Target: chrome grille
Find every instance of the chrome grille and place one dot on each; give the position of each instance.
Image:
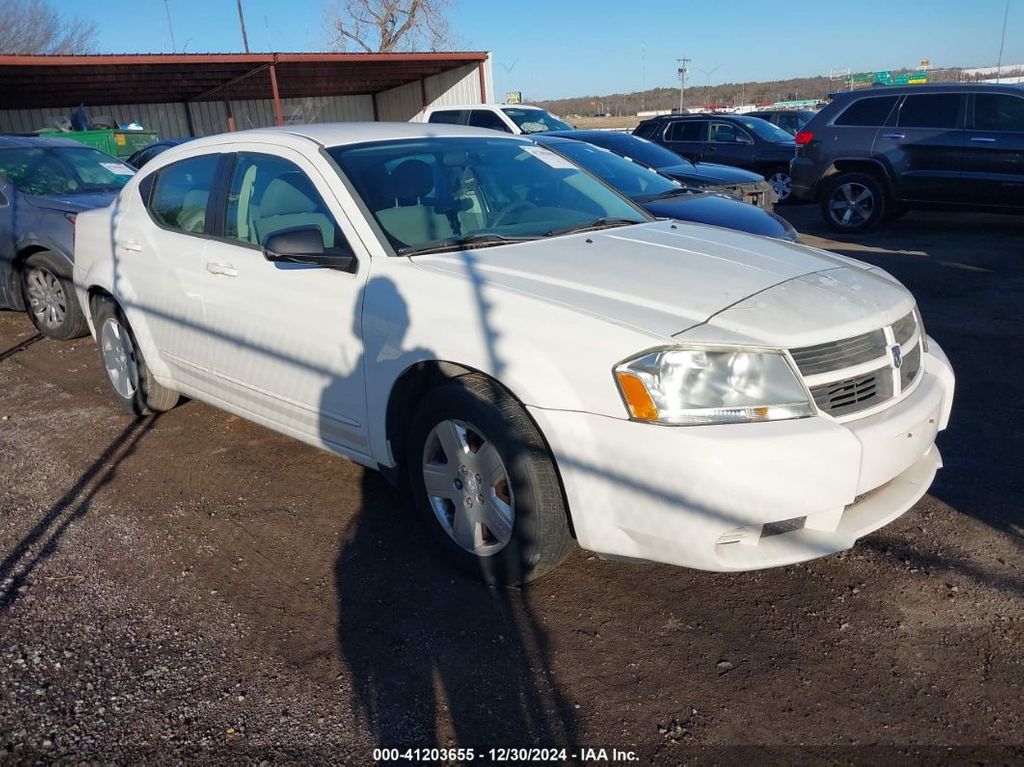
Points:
(835, 355)
(853, 394)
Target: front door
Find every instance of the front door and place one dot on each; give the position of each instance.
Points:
(730, 144)
(994, 151)
(286, 338)
(925, 147)
(7, 247)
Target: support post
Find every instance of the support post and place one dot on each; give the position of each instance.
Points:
(278, 114)
(231, 116)
(483, 82)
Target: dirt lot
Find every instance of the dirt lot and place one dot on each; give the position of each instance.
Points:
(195, 587)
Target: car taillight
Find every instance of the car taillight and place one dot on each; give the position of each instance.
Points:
(804, 137)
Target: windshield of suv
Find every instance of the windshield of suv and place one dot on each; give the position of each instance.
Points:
(535, 120)
(444, 193)
(635, 181)
(639, 149)
(765, 130)
(62, 170)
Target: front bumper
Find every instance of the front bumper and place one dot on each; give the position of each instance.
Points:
(758, 193)
(747, 496)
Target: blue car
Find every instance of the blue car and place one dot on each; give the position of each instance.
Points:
(44, 184)
(664, 197)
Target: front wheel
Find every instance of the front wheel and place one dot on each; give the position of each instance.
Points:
(483, 481)
(780, 181)
(854, 202)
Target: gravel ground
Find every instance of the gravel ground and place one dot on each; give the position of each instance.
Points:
(194, 587)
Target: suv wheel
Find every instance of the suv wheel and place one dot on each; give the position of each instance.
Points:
(854, 202)
(484, 483)
(780, 181)
(50, 298)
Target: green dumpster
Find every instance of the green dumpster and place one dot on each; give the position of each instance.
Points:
(116, 143)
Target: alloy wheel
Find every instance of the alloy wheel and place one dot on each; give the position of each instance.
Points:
(782, 184)
(468, 487)
(851, 205)
(119, 358)
(46, 297)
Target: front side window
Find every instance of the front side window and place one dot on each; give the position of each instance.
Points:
(690, 130)
(449, 117)
(180, 193)
(868, 112)
(998, 112)
(930, 110)
(443, 192)
(535, 120)
(485, 118)
(269, 194)
(62, 170)
(725, 133)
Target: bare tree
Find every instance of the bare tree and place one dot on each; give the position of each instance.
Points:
(390, 25)
(34, 26)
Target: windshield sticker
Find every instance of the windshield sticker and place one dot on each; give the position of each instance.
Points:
(548, 157)
(118, 169)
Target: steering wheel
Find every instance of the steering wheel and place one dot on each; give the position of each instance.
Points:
(511, 208)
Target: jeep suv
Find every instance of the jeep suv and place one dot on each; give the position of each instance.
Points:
(870, 156)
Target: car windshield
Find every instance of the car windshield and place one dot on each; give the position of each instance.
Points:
(450, 192)
(765, 130)
(62, 170)
(535, 120)
(633, 180)
(639, 149)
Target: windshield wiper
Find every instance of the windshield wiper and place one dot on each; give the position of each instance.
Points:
(597, 223)
(671, 193)
(479, 240)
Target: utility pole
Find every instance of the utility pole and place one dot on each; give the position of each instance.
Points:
(170, 27)
(241, 23)
(683, 62)
(1002, 42)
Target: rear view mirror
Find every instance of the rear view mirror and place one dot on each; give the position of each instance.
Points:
(305, 245)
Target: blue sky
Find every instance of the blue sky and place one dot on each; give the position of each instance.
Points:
(557, 48)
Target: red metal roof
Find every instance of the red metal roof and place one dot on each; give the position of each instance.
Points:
(50, 81)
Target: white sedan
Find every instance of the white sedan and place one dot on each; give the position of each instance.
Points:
(536, 357)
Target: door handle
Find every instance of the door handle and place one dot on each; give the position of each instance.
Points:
(893, 135)
(224, 270)
(983, 140)
(131, 245)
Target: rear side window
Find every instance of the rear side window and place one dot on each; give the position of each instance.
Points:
(692, 130)
(485, 118)
(180, 193)
(931, 110)
(868, 112)
(998, 112)
(449, 117)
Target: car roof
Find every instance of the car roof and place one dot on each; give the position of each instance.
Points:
(899, 90)
(439, 107)
(343, 134)
(11, 142)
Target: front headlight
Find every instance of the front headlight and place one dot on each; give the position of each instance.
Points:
(704, 385)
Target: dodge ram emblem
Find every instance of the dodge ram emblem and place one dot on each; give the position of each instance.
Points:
(897, 357)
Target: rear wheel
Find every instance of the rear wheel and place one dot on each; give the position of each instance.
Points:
(854, 203)
(50, 298)
(483, 481)
(130, 379)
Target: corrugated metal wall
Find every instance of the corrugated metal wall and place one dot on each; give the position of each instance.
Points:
(460, 86)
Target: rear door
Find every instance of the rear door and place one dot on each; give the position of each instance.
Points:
(924, 146)
(730, 144)
(994, 150)
(686, 138)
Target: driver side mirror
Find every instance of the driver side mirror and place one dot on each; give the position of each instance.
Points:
(305, 245)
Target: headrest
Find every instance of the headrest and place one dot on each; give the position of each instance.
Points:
(412, 178)
(290, 193)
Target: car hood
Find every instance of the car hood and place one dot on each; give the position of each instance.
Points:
(717, 210)
(710, 172)
(659, 277)
(72, 203)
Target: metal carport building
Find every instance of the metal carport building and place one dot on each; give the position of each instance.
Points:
(201, 93)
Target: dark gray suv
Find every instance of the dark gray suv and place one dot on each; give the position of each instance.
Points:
(872, 155)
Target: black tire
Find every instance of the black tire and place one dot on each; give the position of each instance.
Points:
(50, 299)
(147, 395)
(869, 212)
(540, 537)
(781, 182)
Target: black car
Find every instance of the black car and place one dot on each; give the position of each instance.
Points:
(665, 198)
(44, 184)
(874, 154)
(150, 151)
(790, 120)
(745, 142)
(735, 182)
